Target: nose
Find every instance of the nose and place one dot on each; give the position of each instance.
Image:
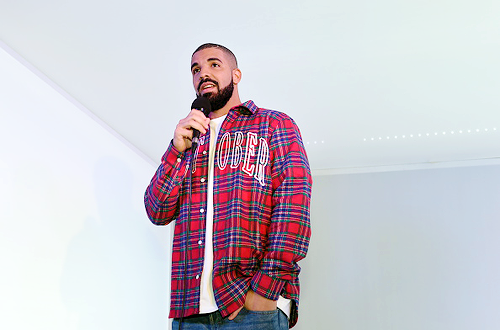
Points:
(203, 75)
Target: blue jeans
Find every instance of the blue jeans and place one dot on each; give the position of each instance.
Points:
(245, 320)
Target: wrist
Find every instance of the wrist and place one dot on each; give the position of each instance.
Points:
(256, 302)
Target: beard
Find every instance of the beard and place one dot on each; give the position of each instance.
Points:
(220, 99)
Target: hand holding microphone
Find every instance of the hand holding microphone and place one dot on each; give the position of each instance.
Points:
(188, 129)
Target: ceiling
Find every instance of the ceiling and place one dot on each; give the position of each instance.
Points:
(370, 84)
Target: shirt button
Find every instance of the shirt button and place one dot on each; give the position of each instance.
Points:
(204, 152)
(202, 180)
(179, 160)
(197, 276)
(202, 210)
(199, 242)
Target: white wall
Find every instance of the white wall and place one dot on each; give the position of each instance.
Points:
(405, 250)
(76, 248)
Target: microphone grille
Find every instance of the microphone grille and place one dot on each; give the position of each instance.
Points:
(201, 102)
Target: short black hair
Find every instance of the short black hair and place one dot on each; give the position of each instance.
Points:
(224, 49)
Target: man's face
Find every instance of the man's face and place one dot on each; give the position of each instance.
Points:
(212, 76)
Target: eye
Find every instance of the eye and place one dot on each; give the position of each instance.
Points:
(195, 70)
(215, 65)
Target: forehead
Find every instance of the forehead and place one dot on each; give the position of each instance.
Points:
(208, 54)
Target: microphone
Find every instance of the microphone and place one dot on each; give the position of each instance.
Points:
(203, 104)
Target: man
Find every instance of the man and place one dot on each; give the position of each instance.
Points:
(245, 225)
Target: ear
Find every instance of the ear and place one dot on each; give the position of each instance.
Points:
(236, 76)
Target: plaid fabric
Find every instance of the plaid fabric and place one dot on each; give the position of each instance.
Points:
(262, 190)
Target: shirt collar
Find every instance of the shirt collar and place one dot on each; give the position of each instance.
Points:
(248, 108)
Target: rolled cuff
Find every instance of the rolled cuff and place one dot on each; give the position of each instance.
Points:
(267, 286)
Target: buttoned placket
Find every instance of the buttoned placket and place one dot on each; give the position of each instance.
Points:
(201, 210)
(203, 181)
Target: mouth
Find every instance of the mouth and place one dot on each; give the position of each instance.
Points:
(207, 86)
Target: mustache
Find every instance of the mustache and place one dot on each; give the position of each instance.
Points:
(207, 80)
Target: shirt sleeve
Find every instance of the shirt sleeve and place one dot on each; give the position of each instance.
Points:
(161, 198)
(290, 228)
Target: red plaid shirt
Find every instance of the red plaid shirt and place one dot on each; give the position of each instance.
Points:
(262, 190)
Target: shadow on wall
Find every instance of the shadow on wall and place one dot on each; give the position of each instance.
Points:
(115, 274)
(404, 250)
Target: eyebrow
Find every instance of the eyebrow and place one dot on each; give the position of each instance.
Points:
(210, 59)
(214, 59)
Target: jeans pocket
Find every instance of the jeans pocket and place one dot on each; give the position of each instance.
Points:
(262, 320)
(272, 312)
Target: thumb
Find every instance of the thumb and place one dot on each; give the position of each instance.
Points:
(234, 314)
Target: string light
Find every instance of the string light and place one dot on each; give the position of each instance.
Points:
(443, 133)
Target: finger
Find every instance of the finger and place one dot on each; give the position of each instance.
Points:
(182, 138)
(235, 313)
(194, 123)
(184, 132)
(198, 114)
(200, 117)
(185, 127)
